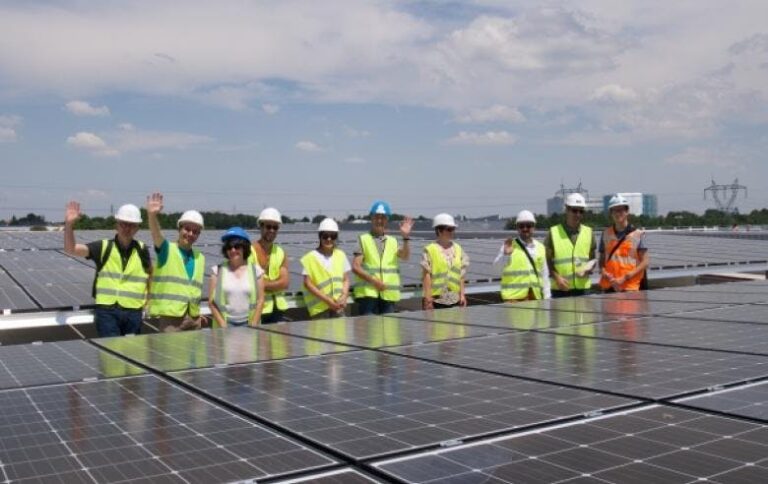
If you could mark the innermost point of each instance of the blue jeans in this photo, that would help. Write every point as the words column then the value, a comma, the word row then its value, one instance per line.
column 374, row 305
column 116, row 321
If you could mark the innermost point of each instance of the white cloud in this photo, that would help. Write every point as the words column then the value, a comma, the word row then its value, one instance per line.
column 487, row 138
column 270, row 108
column 83, row 108
column 8, row 125
column 492, row 114
column 92, row 143
column 308, row 146
column 614, row 93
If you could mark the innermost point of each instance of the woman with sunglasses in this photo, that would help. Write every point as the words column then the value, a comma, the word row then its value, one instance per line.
column 236, row 286
column 525, row 275
column 326, row 274
column 444, row 265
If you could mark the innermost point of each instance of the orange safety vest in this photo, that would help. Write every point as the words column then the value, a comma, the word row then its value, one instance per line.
column 624, row 259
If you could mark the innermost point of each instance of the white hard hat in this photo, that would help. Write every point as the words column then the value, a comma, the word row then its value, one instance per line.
column 618, row 201
column 328, row 225
column 443, row 219
column 525, row 216
column 129, row 213
column 192, row 217
column 270, row 215
column 575, row 200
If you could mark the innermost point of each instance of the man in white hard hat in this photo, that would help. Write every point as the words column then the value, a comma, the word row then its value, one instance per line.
column 623, row 253
column 271, row 257
column 123, row 267
column 177, row 279
column 444, row 265
column 571, row 249
column 326, row 274
column 376, row 262
column 525, row 275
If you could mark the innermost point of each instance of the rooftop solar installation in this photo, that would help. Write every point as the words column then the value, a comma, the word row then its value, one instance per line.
column 60, row 362
column 725, row 297
column 138, row 429
column 755, row 314
column 212, row 347
column 341, row 476
column 609, row 308
column 364, row 404
column 745, row 401
column 656, row 445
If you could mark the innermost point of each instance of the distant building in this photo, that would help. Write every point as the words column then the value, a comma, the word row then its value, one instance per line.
column 639, row 203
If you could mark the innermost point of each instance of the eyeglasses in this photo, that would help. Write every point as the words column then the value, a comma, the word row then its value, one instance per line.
column 576, row 210
column 446, row 228
column 329, row 235
column 525, row 226
column 127, row 225
column 271, row 227
column 235, row 245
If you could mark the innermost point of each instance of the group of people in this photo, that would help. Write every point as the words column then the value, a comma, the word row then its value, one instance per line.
column 248, row 287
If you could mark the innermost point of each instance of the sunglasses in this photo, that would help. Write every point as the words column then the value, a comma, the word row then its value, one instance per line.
column 447, row 229
column 234, row 245
column 525, row 226
column 576, row 210
column 329, row 235
column 271, row 227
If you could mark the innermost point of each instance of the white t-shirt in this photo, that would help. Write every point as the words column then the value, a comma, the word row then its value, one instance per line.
column 326, row 262
column 237, row 293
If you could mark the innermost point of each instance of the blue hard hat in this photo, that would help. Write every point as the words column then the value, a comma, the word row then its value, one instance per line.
column 380, row 207
column 235, row 233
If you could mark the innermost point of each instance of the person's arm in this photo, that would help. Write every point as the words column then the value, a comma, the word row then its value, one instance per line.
column 404, row 252
column 320, row 294
column 256, row 318
column 546, row 285
column 71, row 215
column 357, row 268
column 462, row 281
column 217, row 316
column 426, row 288
column 562, row 282
column 282, row 281
column 154, row 207
column 342, row 301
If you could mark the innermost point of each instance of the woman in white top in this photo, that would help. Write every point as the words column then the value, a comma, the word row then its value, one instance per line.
column 236, row 288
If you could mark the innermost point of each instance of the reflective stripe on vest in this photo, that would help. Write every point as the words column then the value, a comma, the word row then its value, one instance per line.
column 330, row 284
column 384, row 266
column 518, row 276
column 444, row 275
column 568, row 258
column 115, row 285
column 624, row 259
column 172, row 292
column 220, row 297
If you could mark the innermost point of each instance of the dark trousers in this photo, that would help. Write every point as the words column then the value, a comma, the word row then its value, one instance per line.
column 444, row 306
column 570, row 293
column 374, row 305
column 116, row 321
column 275, row 316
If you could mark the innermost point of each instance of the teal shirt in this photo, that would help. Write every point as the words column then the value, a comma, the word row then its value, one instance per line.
column 186, row 256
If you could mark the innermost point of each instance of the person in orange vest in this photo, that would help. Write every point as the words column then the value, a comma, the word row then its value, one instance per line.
column 623, row 253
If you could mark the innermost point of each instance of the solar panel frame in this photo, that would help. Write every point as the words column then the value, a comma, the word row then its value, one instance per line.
column 748, row 401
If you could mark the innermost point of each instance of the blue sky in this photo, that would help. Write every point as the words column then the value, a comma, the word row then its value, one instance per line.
column 474, row 107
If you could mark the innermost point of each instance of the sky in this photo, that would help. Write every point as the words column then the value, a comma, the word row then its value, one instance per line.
column 468, row 107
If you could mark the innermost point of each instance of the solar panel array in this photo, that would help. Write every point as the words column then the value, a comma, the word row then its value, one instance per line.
column 660, row 386
column 36, row 274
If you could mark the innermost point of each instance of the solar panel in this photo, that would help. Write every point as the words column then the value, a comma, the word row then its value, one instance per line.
column 688, row 296
column 504, row 317
column 342, row 476
column 745, row 401
column 65, row 361
column 630, row 369
column 367, row 403
column 659, row 444
column 737, row 314
column 715, row 335
column 378, row 331
column 212, row 347
column 138, row 429
column 609, row 308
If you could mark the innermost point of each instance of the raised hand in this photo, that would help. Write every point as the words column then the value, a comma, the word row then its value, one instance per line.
column 72, row 214
column 509, row 246
column 155, row 203
column 405, row 226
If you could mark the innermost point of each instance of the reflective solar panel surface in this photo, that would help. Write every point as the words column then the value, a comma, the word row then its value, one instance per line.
column 658, row 445
column 747, row 401
column 609, row 308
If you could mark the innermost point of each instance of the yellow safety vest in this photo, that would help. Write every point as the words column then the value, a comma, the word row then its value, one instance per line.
column 172, row 292
column 220, row 297
column 518, row 275
column 443, row 274
column 115, row 285
column 272, row 298
column 384, row 266
column 329, row 283
column 568, row 258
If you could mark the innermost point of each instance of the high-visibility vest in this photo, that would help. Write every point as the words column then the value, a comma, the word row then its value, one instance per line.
column 220, row 297
column 444, row 274
column 329, row 283
column 623, row 260
column 569, row 258
column 172, row 292
column 518, row 275
column 115, row 285
column 272, row 299
column 384, row 266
